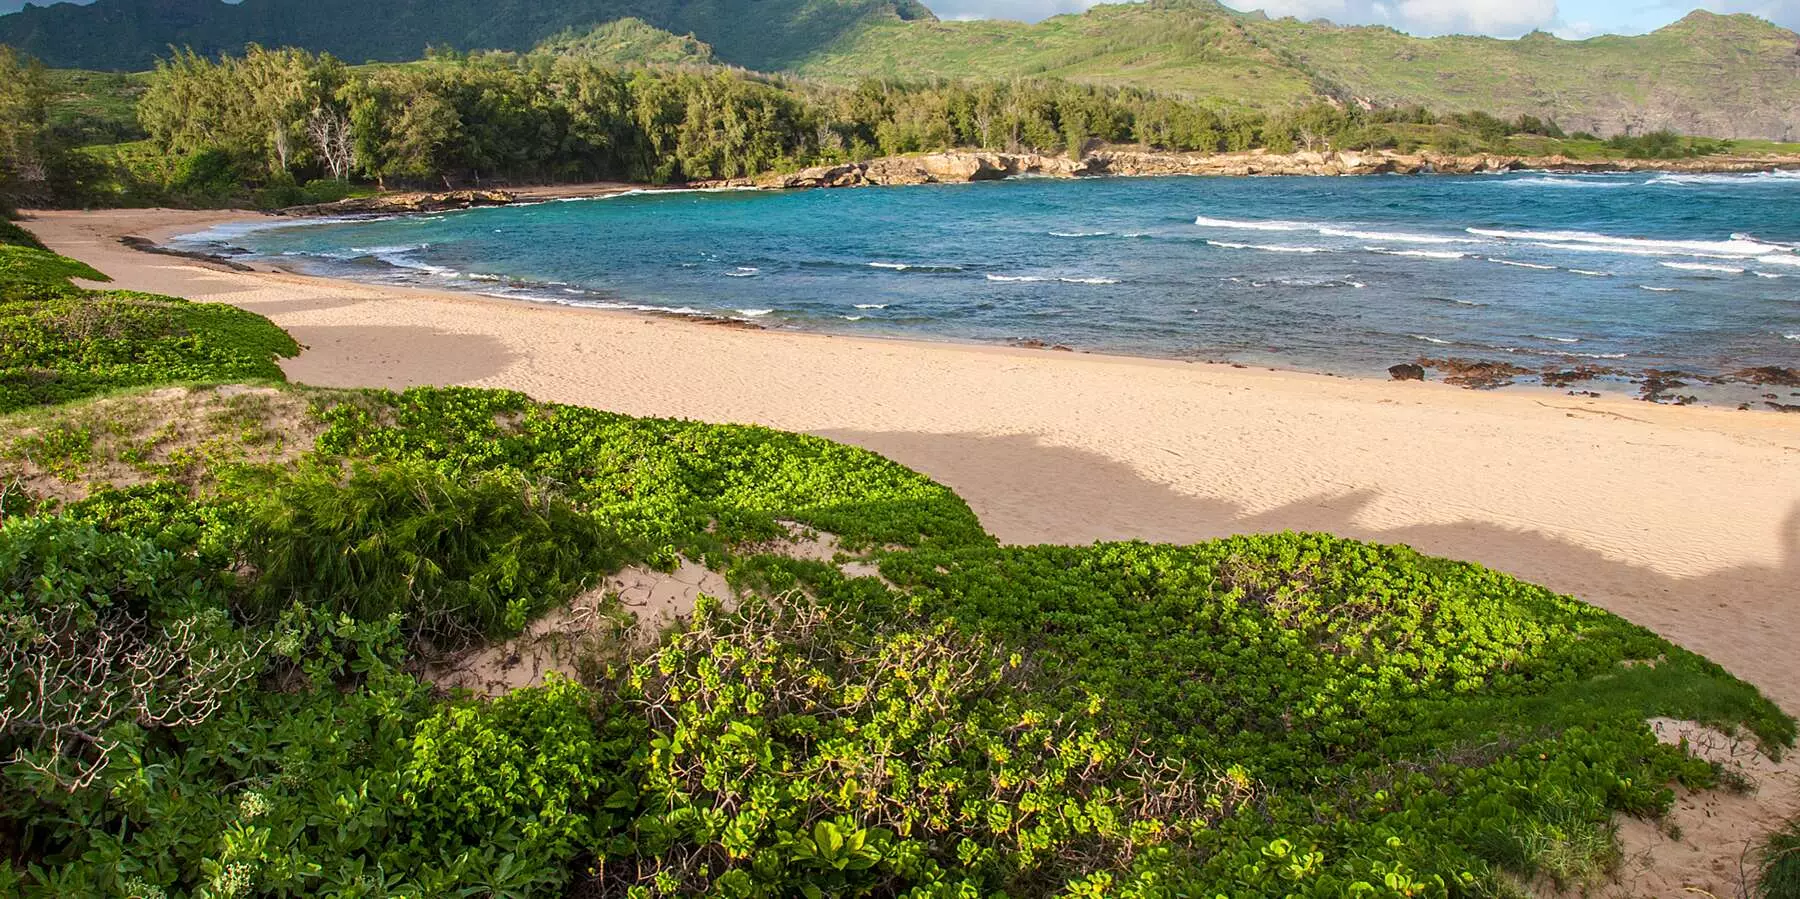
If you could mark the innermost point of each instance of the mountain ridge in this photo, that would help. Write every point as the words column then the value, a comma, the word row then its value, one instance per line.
column 1728, row 76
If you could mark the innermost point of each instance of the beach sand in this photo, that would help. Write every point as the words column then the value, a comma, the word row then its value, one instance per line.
column 1683, row 519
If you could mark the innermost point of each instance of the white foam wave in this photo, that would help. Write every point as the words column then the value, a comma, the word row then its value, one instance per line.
column 1769, row 275
column 910, row 267
column 1531, row 265
column 1393, row 236
column 853, row 318
column 871, row 305
column 1266, row 248
column 1738, row 178
column 1778, row 259
column 1738, row 246
column 1429, row 339
column 1571, row 355
column 1703, row 267
column 1590, row 273
column 1206, row 222
column 1658, row 289
column 1418, row 254
column 744, row 271
column 1079, row 233
column 1015, row 278
column 754, row 313
column 1556, row 339
column 1564, row 181
column 1791, row 336
column 1088, row 280
column 390, row 251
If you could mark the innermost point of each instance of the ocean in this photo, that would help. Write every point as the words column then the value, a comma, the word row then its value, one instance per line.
column 1697, row 273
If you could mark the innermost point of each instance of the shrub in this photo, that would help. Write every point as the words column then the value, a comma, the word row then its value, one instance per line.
column 1778, row 867
column 534, row 773
column 670, row 485
column 103, row 635
column 71, row 344
column 458, row 559
column 14, row 236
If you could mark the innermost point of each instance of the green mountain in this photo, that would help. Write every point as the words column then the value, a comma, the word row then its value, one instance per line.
column 629, row 42
column 124, row 35
column 1723, row 76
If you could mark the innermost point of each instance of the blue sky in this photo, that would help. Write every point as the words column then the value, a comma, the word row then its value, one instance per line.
column 1503, row 18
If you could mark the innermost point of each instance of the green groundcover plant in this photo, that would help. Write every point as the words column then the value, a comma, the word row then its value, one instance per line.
column 218, row 652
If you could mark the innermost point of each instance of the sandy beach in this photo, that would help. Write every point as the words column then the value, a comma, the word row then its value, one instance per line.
column 1683, row 519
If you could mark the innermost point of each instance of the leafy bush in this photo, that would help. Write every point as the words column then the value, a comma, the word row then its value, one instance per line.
column 661, row 482
column 800, row 747
column 71, row 344
column 103, row 635
column 538, row 773
column 1778, row 868
column 14, row 236
column 458, row 559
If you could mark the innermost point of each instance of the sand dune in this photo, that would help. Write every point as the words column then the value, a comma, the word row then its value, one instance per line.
column 1686, row 520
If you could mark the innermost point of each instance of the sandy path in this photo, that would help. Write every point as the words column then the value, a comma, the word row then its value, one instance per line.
column 1686, row 520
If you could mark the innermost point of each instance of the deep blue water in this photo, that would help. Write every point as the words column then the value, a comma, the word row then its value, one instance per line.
column 1700, row 273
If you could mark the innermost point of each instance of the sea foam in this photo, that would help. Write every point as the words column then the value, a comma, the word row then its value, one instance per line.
column 1266, row 248
column 1703, row 267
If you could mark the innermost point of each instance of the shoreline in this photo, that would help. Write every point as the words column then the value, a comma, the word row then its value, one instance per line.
column 1763, row 389
column 1677, row 517
column 966, row 166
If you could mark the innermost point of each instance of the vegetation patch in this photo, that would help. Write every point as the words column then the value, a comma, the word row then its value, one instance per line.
column 217, row 606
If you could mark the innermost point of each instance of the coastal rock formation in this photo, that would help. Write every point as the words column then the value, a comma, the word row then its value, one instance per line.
column 932, row 168
column 966, row 165
column 405, row 202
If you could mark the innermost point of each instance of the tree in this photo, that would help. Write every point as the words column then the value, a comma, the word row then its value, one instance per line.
column 25, row 149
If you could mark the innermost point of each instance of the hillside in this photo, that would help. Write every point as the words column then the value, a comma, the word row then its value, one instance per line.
column 1721, row 76
column 123, row 35
column 628, row 42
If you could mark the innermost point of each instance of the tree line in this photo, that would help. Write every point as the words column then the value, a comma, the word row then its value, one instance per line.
column 501, row 116
column 274, row 120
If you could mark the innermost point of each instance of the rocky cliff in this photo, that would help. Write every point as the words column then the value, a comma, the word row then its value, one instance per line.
column 965, row 166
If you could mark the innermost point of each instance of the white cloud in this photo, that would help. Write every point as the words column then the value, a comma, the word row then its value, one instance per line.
column 1501, row 18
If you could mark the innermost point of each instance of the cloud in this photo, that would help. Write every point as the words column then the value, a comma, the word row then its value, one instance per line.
column 1501, row 18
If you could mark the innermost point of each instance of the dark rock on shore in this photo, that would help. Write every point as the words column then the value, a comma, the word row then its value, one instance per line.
column 1570, row 376
column 1475, row 374
column 1407, row 371
column 145, row 246
column 1770, row 374
column 387, row 204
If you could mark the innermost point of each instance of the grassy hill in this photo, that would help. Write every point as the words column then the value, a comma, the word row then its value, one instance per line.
column 1721, row 76
column 128, row 35
column 629, row 42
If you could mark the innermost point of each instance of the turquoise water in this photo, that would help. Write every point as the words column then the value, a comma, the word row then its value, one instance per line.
column 1693, row 272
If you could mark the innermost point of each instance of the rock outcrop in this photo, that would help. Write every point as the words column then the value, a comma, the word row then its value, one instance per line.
column 964, row 166
column 405, row 202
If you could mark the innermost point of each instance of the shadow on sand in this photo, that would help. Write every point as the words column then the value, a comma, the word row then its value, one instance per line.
column 1746, row 618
